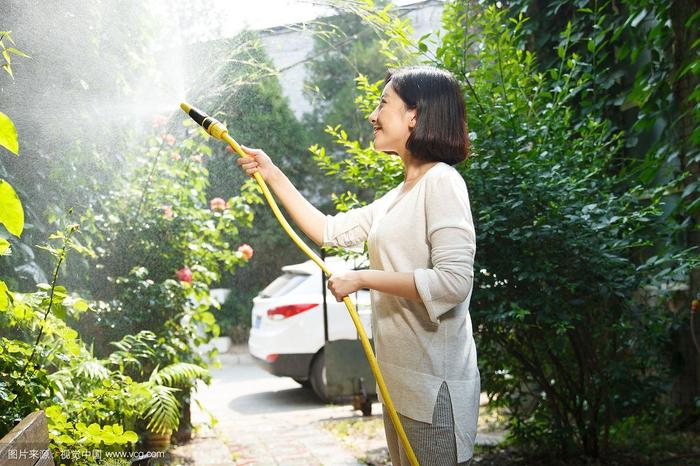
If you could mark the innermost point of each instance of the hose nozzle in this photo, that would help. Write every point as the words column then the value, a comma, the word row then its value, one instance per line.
column 210, row 125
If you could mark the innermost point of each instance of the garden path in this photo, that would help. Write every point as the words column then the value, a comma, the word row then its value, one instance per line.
column 266, row 420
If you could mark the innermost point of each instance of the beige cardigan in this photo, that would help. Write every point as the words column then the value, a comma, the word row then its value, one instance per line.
column 427, row 231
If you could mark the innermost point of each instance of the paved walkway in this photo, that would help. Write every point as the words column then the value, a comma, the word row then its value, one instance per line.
column 266, row 420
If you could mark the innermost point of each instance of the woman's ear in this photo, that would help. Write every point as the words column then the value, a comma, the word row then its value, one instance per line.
column 412, row 118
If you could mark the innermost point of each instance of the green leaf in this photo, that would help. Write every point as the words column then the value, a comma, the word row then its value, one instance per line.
column 17, row 52
column 60, row 293
column 66, row 439
column 693, row 206
column 11, row 211
column 638, row 19
column 163, row 410
column 3, row 295
column 8, row 132
column 4, row 247
column 8, row 69
column 53, row 412
column 73, row 347
column 591, row 46
column 94, row 429
column 108, row 437
column 180, row 374
column 59, row 311
column 80, row 305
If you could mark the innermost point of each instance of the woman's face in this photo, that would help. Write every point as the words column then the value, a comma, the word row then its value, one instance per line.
column 392, row 122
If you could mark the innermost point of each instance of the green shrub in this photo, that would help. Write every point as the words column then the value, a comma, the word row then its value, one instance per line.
column 148, row 231
column 569, row 328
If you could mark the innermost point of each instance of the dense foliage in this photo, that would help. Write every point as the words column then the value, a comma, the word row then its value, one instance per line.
column 569, row 322
column 641, row 58
column 41, row 351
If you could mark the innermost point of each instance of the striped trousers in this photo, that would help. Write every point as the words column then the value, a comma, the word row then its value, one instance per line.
column 434, row 444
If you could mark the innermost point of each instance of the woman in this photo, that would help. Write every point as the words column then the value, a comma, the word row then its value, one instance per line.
column 421, row 249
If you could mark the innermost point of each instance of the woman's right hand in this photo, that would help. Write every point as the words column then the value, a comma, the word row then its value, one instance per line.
column 256, row 161
column 311, row 220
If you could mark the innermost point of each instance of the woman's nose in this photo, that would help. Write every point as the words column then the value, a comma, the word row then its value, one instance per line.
column 373, row 117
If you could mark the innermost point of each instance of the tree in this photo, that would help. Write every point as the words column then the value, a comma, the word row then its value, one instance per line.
column 344, row 47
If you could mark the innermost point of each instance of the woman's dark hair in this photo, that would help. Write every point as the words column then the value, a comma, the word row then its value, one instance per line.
column 440, row 134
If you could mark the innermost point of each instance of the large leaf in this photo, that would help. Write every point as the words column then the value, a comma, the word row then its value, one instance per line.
column 3, row 295
column 11, row 211
column 8, row 134
column 162, row 410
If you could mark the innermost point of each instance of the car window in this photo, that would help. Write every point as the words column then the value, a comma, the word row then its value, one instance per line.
column 282, row 285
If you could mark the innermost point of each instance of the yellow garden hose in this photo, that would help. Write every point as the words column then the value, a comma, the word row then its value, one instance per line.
column 218, row 130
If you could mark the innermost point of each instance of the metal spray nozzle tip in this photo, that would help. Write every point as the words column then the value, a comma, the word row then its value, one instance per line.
column 211, row 125
column 197, row 115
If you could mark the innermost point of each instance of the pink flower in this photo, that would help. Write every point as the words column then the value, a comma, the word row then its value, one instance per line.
column 159, row 120
column 169, row 139
column 175, row 157
column 184, row 275
column 246, row 250
column 167, row 211
column 217, row 204
column 196, row 158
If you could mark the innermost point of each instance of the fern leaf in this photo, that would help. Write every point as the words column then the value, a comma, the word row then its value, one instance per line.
column 162, row 410
column 180, row 374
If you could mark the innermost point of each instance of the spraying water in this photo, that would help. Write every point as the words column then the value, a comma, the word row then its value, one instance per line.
column 100, row 76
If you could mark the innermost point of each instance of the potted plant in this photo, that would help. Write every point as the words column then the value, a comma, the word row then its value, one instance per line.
column 159, row 396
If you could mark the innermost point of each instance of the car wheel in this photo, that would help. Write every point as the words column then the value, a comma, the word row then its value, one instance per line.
column 318, row 376
column 305, row 383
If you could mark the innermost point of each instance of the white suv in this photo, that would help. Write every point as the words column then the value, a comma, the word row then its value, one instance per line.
column 287, row 333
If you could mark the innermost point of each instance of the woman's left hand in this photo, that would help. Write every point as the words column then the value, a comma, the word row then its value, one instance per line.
column 344, row 282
